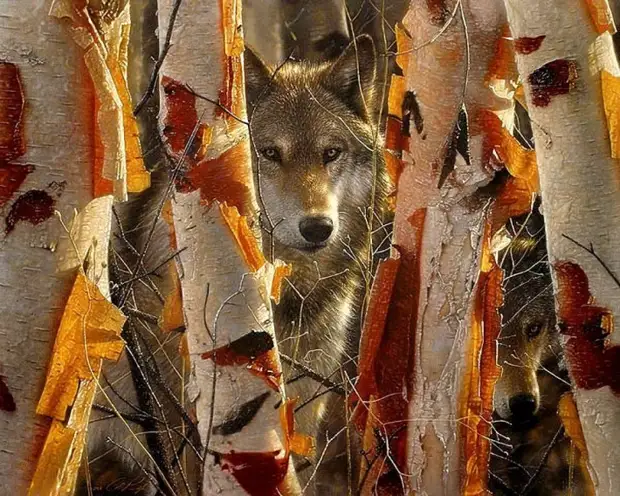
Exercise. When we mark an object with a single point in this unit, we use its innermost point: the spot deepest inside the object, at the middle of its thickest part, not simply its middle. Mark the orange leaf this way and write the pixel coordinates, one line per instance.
(300, 444)
(503, 64)
(89, 332)
(138, 178)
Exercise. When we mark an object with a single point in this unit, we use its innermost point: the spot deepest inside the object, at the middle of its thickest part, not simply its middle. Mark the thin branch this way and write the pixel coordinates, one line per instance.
(595, 255)
(337, 388)
(151, 87)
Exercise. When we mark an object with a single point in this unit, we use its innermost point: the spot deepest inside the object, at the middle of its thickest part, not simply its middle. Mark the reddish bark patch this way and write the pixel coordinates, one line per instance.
(218, 178)
(594, 363)
(226, 93)
(255, 352)
(396, 136)
(12, 142)
(34, 206)
(11, 178)
(438, 12)
(557, 77)
(387, 355)
(224, 178)
(259, 474)
(7, 403)
(526, 45)
(181, 117)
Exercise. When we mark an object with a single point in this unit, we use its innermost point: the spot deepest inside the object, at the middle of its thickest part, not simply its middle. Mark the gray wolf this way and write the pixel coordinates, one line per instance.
(322, 189)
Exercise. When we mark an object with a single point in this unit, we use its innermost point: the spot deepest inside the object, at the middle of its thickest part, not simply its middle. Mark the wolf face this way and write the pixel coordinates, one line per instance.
(313, 144)
(321, 180)
(528, 339)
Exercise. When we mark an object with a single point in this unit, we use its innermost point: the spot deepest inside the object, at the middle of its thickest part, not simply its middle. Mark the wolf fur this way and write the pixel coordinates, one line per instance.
(533, 377)
(298, 113)
(528, 337)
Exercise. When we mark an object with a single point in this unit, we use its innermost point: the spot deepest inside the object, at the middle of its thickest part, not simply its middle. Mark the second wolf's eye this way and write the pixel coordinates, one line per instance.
(331, 154)
(271, 153)
(533, 331)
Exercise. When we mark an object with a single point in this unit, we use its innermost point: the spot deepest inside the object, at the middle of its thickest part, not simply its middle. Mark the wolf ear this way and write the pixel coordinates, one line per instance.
(257, 77)
(352, 76)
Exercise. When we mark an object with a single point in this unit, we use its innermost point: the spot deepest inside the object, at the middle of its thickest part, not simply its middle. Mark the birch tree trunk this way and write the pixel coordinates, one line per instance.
(227, 283)
(45, 164)
(571, 82)
(65, 139)
(443, 117)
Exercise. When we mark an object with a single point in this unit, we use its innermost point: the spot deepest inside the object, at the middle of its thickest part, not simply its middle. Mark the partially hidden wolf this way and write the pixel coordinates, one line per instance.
(322, 188)
(532, 455)
(528, 338)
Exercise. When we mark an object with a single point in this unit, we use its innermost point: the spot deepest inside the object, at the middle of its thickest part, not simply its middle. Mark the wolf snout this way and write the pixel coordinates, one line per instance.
(316, 230)
(523, 407)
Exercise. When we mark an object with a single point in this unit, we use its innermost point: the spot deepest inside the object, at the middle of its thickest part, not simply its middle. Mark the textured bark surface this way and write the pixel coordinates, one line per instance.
(579, 185)
(445, 99)
(459, 63)
(56, 119)
(226, 282)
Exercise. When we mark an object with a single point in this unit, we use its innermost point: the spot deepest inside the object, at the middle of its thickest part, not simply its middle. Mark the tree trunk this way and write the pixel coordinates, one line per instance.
(570, 76)
(55, 158)
(45, 165)
(227, 283)
(421, 339)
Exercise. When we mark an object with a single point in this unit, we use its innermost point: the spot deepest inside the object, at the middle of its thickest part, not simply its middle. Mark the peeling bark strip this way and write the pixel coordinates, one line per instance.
(482, 371)
(388, 341)
(595, 363)
(552, 79)
(255, 351)
(213, 176)
(527, 45)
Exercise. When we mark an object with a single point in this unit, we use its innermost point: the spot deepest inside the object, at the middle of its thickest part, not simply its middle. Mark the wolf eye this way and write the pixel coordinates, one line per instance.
(271, 153)
(331, 154)
(533, 331)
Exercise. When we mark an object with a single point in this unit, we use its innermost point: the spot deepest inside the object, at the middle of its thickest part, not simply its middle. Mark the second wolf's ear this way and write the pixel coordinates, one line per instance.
(257, 77)
(352, 76)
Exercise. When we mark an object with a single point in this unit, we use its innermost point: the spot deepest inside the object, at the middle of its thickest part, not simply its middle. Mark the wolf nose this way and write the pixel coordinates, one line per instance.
(522, 407)
(316, 229)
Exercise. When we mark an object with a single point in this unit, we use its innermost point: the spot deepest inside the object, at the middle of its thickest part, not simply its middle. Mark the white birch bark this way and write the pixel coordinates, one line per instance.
(579, 184)
(58, 144)
(445, 74)
(224, 300)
